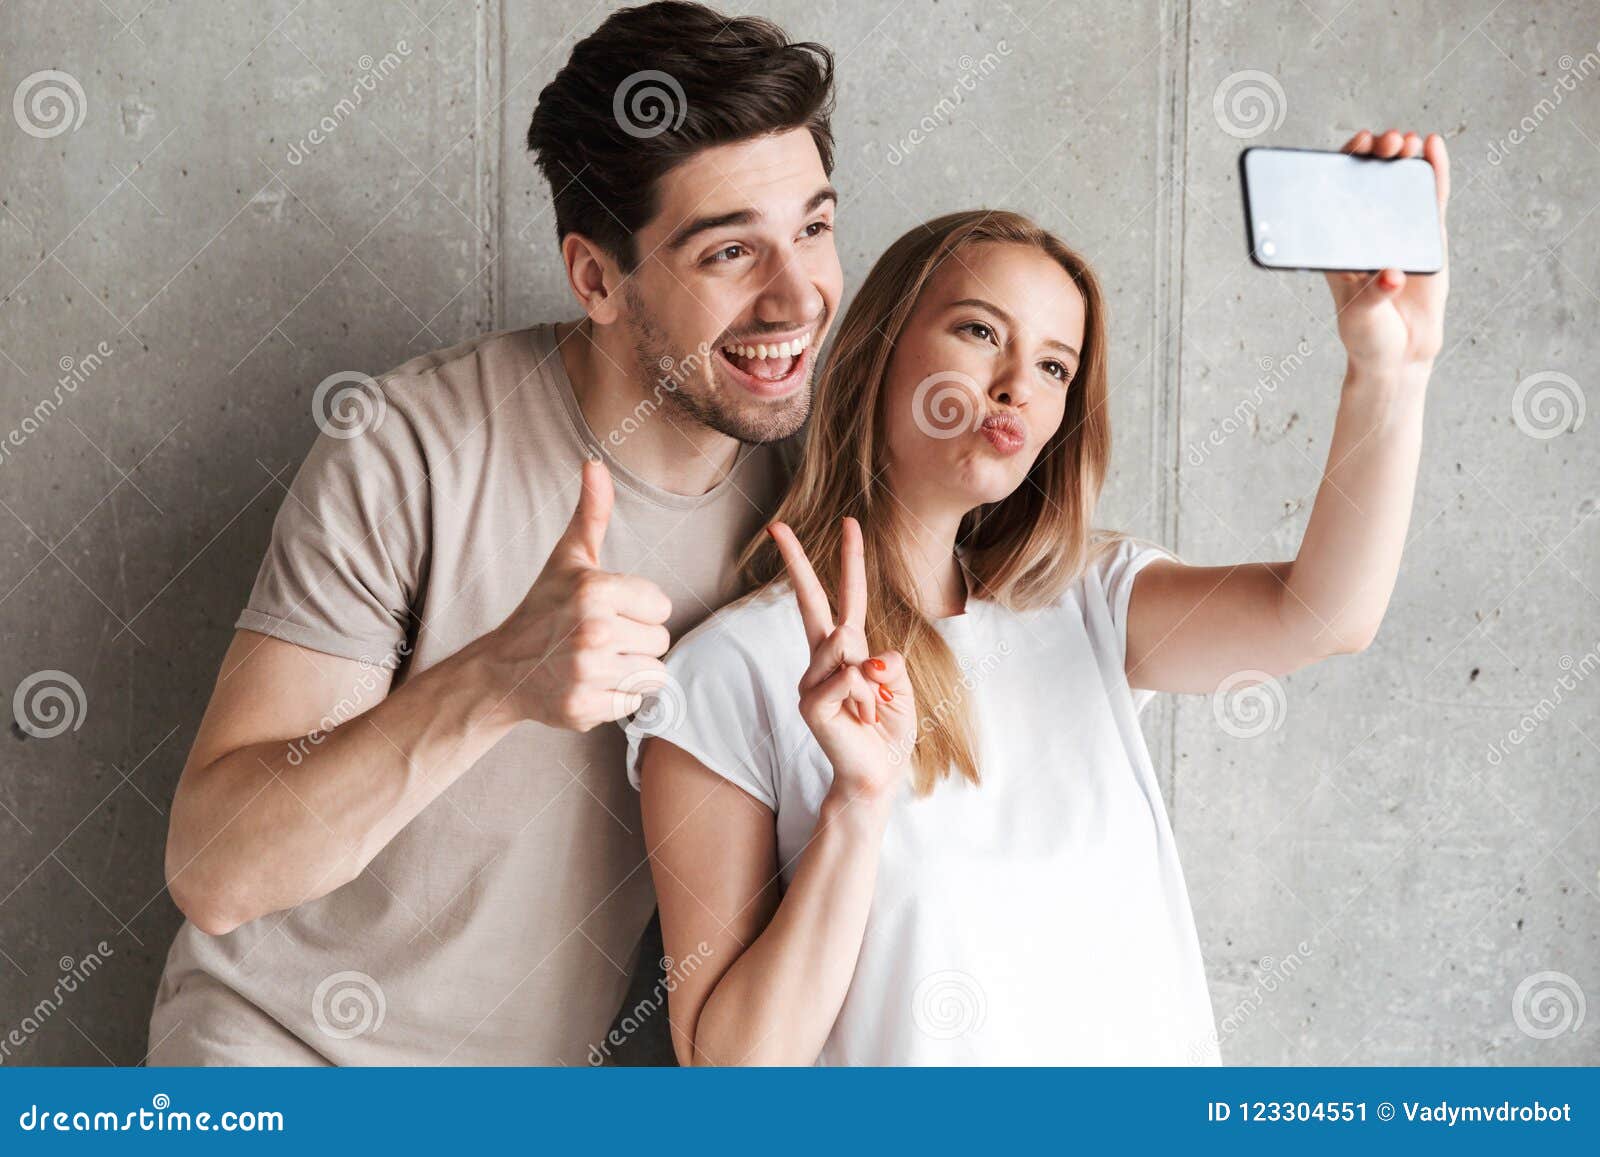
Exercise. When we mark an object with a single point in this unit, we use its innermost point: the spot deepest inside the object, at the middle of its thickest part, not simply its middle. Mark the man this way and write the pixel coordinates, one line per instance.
(403, 835)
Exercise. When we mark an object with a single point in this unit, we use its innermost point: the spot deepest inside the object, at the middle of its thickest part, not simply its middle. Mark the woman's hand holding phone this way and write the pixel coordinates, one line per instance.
(859, 706)
(1389, 323)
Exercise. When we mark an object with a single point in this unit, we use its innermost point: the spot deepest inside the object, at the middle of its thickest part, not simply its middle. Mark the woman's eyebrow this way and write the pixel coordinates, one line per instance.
(980, 303)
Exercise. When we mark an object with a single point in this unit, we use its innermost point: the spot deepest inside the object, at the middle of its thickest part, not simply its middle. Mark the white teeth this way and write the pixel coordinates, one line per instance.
(788, 349)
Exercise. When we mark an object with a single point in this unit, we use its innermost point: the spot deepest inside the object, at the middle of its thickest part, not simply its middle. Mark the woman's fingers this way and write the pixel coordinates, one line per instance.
(1360, 143)
(863, 697)
(808, 592)
(1433, 149)
(888, 669)
(852, 576)
(844, 646)
(828, 696)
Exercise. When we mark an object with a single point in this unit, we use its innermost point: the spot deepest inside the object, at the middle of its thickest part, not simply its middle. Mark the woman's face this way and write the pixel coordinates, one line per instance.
(978, 380)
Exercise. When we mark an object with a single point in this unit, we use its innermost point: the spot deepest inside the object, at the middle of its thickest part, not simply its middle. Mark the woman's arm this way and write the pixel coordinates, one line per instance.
(769, 975)
(1191, 627)
(775, 972)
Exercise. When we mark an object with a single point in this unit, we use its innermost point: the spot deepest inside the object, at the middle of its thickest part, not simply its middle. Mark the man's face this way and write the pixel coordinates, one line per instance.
(736, 282)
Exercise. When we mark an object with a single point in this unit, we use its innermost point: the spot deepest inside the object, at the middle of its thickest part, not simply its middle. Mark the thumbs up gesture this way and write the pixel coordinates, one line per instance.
(584, 645)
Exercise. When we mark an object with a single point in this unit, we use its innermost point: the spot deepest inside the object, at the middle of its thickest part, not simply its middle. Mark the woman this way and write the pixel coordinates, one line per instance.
(918, 824)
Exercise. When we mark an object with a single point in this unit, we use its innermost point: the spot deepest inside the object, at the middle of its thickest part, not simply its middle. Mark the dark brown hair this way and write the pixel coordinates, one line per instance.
(651, 87)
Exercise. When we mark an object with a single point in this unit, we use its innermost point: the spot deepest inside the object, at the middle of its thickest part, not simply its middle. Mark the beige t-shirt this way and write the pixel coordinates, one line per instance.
(502, 924)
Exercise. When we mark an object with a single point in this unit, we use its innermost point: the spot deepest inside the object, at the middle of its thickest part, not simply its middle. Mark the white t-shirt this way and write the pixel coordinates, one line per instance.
(1040, 918)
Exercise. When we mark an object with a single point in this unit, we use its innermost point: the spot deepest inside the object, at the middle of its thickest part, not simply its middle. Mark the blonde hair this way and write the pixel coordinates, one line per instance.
(1021, 552)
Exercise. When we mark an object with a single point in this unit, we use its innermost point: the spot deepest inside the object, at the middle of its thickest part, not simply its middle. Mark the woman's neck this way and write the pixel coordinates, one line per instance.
(929, 542)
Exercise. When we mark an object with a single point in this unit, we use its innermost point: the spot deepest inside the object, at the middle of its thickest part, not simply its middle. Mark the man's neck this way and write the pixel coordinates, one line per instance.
(635, 423)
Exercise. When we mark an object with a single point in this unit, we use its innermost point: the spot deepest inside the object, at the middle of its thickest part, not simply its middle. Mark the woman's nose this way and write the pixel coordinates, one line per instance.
(1009, 386)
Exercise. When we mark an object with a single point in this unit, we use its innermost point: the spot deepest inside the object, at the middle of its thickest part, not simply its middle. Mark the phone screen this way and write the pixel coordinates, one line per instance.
(1308, 209)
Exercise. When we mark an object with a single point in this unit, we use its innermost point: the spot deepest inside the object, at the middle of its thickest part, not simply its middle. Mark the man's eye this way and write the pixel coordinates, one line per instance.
(817, 228)
(725, 254)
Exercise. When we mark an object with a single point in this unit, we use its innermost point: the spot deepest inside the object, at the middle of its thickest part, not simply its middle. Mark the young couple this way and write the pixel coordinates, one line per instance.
(893, 795)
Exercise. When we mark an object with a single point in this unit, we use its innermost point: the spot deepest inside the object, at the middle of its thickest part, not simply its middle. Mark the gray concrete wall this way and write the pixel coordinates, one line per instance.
(1374, 881)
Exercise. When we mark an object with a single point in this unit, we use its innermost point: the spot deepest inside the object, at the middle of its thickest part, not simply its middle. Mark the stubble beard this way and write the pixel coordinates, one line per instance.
(690, 393)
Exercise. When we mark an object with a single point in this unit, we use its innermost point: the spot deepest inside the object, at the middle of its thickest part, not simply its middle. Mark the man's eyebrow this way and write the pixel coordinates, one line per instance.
(691, 229)
(1010, 321)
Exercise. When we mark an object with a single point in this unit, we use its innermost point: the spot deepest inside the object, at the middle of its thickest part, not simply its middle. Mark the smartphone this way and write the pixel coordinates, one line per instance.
(1314, 209)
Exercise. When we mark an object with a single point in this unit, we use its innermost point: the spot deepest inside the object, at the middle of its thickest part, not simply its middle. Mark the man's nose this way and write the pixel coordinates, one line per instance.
(788, 296)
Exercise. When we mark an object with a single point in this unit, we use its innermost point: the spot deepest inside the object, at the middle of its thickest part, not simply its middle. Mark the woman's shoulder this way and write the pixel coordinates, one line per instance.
(760, 625)
(1111, 562)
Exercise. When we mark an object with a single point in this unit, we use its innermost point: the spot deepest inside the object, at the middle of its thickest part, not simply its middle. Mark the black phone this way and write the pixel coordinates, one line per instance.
(1320, 210)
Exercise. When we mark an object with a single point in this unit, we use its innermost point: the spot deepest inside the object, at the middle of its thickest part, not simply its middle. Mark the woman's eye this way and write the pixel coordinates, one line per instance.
(978, 330)
(1057, 370)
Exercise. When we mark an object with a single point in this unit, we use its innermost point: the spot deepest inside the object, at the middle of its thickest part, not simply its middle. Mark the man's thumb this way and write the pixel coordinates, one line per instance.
(586, 532)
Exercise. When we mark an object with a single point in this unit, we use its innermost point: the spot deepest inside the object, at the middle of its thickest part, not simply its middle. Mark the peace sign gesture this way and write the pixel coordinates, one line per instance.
(859, 706)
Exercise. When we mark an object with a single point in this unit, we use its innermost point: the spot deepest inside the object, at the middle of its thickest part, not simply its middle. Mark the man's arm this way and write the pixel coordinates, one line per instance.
(271, 812)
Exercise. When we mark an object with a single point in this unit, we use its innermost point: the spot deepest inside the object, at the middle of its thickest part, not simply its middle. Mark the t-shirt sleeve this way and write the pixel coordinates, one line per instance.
(716, 706)
(343, 568)
(1117, 572)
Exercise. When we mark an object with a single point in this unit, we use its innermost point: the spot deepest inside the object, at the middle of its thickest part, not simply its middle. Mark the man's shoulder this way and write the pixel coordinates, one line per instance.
(516, 351)
(433, 360)
(465, 388)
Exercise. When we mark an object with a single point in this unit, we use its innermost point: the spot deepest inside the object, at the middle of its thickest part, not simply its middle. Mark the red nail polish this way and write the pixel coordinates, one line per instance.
(876, 664)
(885, 694)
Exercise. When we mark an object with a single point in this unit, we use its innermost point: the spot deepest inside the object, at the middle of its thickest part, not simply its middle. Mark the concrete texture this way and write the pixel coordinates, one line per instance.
(1375, 882)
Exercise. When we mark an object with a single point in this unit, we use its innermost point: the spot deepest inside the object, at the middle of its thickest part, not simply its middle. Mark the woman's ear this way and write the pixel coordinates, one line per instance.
(593, 276)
